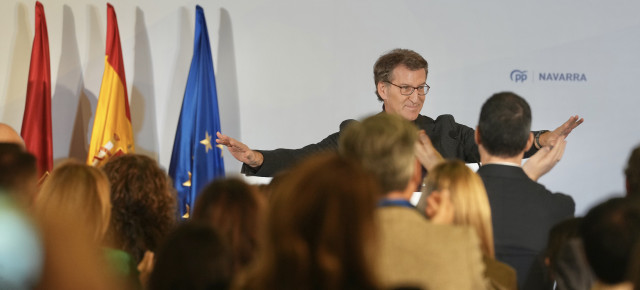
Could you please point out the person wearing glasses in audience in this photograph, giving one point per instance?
(400, 77)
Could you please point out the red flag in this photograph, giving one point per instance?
(36, 122)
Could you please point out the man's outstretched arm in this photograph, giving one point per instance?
(240, 151)
(549, 138)
(545, 159)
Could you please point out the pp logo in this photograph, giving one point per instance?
(518, 75)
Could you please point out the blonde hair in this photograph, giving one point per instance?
(385, 146)
(468, 196)
(80, 191)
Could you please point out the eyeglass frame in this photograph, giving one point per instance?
(413, 89)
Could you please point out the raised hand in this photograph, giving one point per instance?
(240, 151)
(545, 159)
(428, 156)
(549, 138)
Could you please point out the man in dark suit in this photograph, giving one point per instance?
(400, 77)
(523, 211)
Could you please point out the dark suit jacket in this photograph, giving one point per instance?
(523, 211)
(451, 139)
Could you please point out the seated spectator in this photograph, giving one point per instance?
(18, 173)
(9, 135)
(21, 250)
(193, 257)
(143, 206)
(609, 232)
(632, 173)
(72, 259)
(234, 209)
(80, 190)
(74, 210)
(471, 208)
(567, 268)
(522, 210)
(412, 251)
(320, 233)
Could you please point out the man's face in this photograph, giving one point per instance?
(394, 102)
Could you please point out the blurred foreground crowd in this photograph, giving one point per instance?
(335, 220)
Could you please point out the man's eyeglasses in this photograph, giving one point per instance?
(408, 90)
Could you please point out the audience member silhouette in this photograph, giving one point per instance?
(320, 232)
(455, 181)
(523, 211)
(21, 249)
(193, 256)
(80, 190)
(412, 251)
(234, 209)
(9, 135)
(567, 267)
(18, 173)
(609, 233)
(143, 204)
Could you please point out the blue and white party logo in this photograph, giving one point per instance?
(518, 75)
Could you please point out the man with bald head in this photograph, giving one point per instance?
(18, 173)
(9, 135)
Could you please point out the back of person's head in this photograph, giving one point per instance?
(321, 228)
(143, 203)
(72, 258)
(18, 172)
(609, 232)
(384, 144)
(468, 197)
(234, 209)
(193, 256)
(632, 173)
(559, 235)
(383, 68)
(505, 124)
(81, 190)
(564, 257)
(9, 135)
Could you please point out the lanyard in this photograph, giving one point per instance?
(395, 202)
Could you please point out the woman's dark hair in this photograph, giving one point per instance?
(234, 209)
(320, 232)
(193, 257)
(143, 204)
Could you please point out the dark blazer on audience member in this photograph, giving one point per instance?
(523, 211)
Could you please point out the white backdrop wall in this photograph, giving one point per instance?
(290, 71)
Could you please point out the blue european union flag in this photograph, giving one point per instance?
(196, 159)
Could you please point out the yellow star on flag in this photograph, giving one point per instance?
(188, 182)
(221, 147)
(186, 214)
(207, 142)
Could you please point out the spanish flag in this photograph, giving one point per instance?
(36, 122)
(112, 134)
